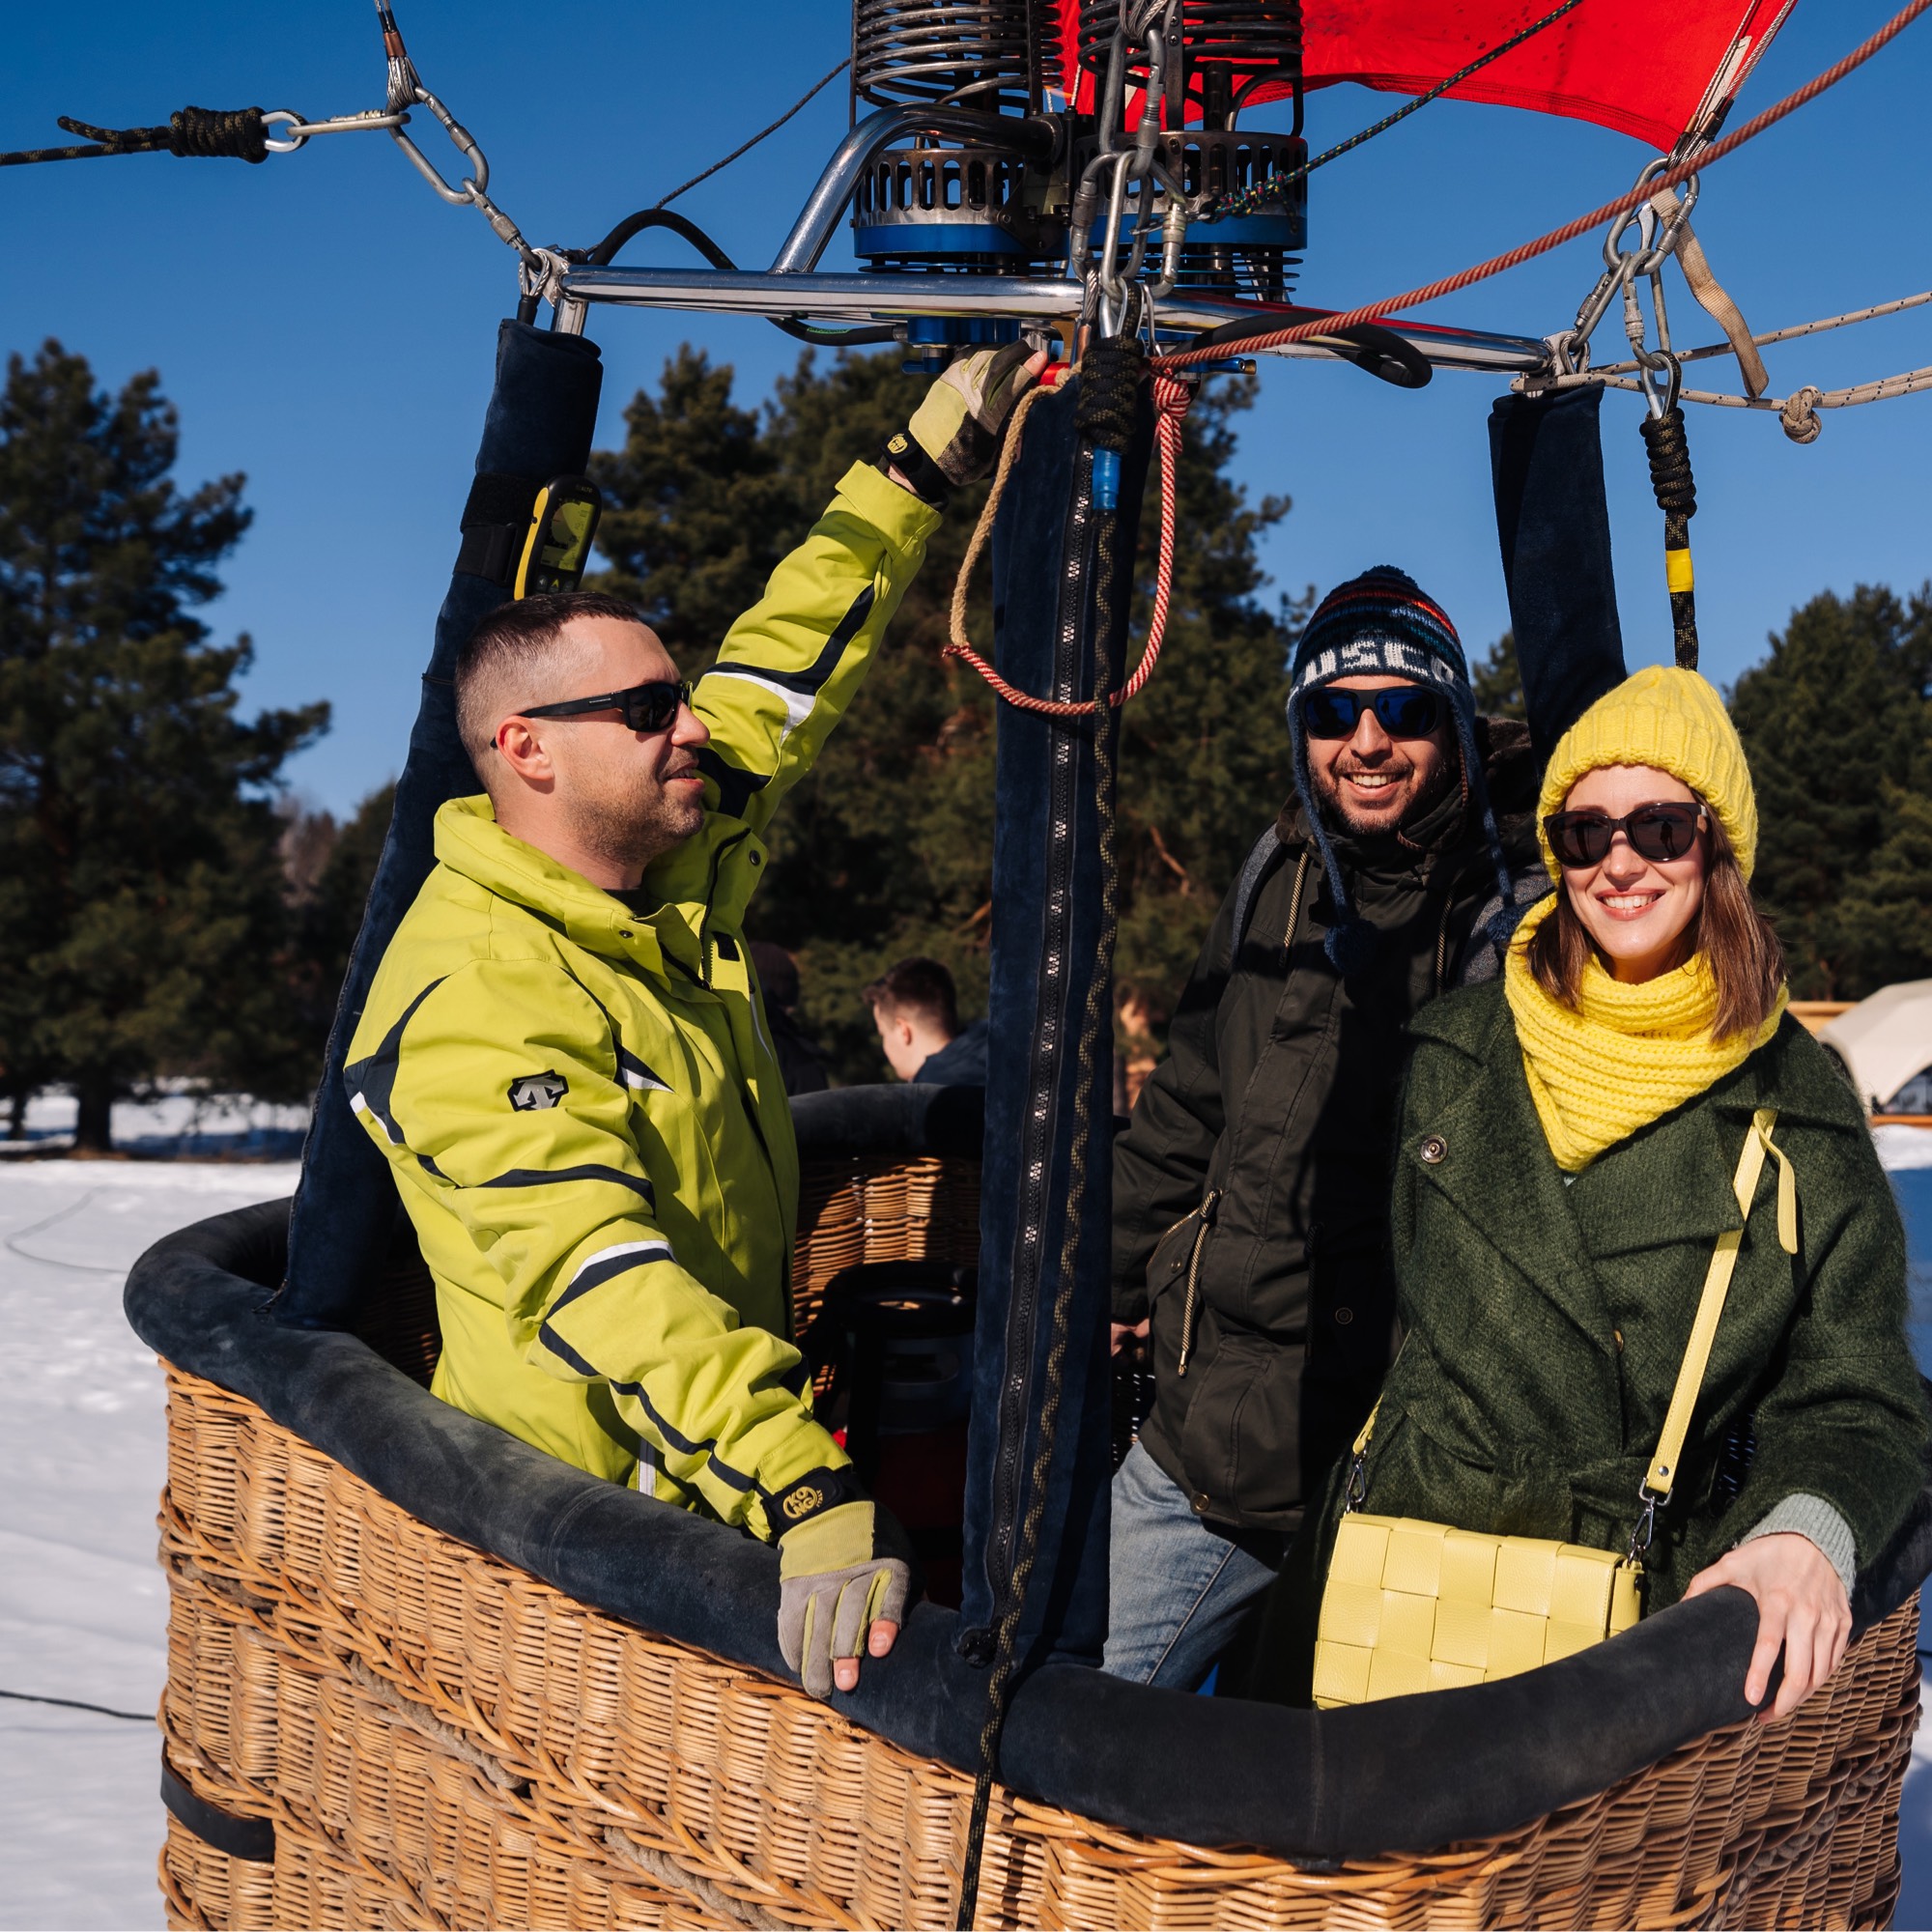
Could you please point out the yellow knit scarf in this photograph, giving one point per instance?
(1625, 1057)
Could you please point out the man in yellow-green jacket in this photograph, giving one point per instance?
(565, 1059)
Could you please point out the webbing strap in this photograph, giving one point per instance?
(1714, 299)
(1717, 1287)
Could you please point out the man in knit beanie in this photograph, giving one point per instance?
(1251, 1189)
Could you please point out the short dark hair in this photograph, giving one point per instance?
(1747, 961)
(519, 637)
(917, 985)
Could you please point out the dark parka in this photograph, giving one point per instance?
(1251, 1188)
(1545, 1323)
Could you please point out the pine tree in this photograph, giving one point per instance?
(1881, 929)
(328, 869)
(1836, 724)
(1496, 679)
(885, 849)
(141, 914)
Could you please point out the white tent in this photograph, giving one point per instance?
(1884, 1042)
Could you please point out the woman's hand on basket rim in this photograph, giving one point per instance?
(1802, 1609)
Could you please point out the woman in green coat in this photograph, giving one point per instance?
(1568, 1142)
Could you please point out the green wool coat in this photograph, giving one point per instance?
(1545, 1322)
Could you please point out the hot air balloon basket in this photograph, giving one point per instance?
(368, 1723)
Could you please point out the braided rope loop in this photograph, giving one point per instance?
(1171, 397)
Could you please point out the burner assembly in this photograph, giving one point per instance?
(1024, 167)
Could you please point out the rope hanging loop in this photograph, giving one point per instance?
(1668, 448)
(1109, 415)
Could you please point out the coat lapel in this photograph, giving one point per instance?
(1495, 1168)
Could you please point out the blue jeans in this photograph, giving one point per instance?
(1177, 1586)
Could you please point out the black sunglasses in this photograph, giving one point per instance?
(1659, 832)
(647, 707)
(1402, 710)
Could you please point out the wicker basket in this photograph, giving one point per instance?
(442, 1740)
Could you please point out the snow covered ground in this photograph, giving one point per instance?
(83, 1610)
(82, 1607)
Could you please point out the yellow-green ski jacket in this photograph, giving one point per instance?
(581, 1107)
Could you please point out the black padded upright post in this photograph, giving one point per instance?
(1045, 925)
(1547, 462)
(542, 415)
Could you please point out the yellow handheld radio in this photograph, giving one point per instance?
(563, 525)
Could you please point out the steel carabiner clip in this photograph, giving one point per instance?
(474, 187)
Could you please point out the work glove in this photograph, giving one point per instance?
(840, 1571)
(954, 435)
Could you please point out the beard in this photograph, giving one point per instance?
(1416, 793)
(640, 820)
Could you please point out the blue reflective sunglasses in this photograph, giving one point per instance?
(1402, 710)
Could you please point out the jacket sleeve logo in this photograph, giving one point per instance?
(535, 1090)
(802, 1501)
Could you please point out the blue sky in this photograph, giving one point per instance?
(326, 325)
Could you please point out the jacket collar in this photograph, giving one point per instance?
(470, 843)
(1694, 1152)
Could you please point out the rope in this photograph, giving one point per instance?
(1794, 411)
(1583, 225)
(235, 134)
(746, 148)
(1109, 402)
(1171, 400)
(1790, 334)
(1273, 187)
(1676, 493)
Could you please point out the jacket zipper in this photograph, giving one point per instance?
(1207, 1213)
(1213, 1199)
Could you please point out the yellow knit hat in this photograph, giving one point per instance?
(1670, 719)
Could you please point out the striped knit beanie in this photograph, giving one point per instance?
(1381, 624)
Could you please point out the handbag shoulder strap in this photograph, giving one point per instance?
(1662, 1472)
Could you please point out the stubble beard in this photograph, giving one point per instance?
(1332, 796)
(637, 828)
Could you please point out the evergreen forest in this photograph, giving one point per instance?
(169, 910)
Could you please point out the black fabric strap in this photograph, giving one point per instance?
(249, 1838)
(496, 520)
(903, 451)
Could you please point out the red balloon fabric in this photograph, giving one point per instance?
(1653, 69)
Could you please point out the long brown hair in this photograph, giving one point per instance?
(1747, 961)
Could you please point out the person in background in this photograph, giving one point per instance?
(799, 1059)
(916, 1008)
(1567, 1160)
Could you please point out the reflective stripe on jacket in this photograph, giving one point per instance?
(582, 1106)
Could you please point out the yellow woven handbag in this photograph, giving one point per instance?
(1412, 1606)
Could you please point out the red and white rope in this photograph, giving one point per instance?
(1171, 399)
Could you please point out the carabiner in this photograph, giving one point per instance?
(300, 130)
(466, 143)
